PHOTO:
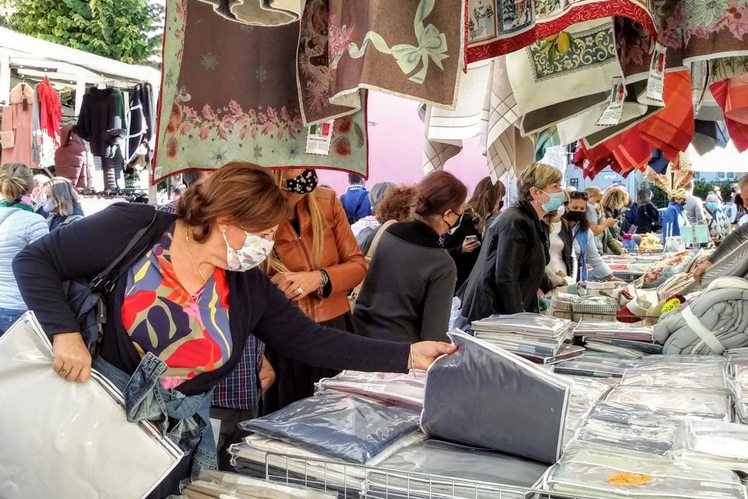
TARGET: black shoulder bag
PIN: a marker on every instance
(87, 297)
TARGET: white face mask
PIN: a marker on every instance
(253, 252)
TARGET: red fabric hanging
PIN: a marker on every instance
(728, 96)
(50, 111)
(672, 128)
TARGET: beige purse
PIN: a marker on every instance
(353, 297)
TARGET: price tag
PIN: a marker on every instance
(656, 80)
(612, 114)
(318, 139)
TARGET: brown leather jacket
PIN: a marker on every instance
(341, 257)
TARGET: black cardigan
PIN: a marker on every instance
(85, 248)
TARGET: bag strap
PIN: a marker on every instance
(103, 281)
(377, 237)
(369, 255)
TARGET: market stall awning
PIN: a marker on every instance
(35, 58)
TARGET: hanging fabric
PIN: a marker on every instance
(500, 27)
(737, 130)
(551, 84)
(265, 13)
(409, 49)
(250, 111)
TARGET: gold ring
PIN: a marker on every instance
(299, 291)
(64, 371)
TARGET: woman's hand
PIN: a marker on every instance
(469, 245)
(698, 272)
(72, 360)
(423, 354)
(267, 375)
(297, 285)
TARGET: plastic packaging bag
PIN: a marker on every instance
(400, 389)
(678, 375)
(484, 396)
(69, 440)
(337, 425)
(440, 469)
(602, 473)
(695, 403)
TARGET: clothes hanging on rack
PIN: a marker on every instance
(141, 123)
(15, 134)
(101, 120)
(50, 110)
(113, 171)
(71, 158)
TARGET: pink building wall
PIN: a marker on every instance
(395, 147)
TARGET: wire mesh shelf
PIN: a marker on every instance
(353, 481)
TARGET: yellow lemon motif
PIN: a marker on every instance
(563, 42)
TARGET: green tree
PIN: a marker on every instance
(126, 30)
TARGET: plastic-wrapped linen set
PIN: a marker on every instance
(661, 428)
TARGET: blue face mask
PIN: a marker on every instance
(712, 205)
(556, 200)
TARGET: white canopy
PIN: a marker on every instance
(36, 58)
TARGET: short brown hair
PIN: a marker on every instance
(16, 180)
(397, 204)
(239, 190)
(538, 175)
(438, 192)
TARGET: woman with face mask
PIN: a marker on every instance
(511, 266)
(464, 244)
(315, 263)
(717, 221)
(61, 203)
(407, 293)
(19, 227)
(572, 245)
(181, 312)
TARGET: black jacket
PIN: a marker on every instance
(407, 293)
(85, 248)
(648, 219)
(453, 244)
(511, 266)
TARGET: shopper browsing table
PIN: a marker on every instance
(577, 246)
(316, 262)
(511, 267)
(179, 317)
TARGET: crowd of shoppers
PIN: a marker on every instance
(240, 286)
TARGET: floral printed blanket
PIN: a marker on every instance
(229, 93)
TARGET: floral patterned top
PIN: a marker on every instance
(189, 333)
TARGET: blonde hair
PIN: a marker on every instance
(538, 175)
(16, 180)
(318, 227)
(62, 192)
(615, 198)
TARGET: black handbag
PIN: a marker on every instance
(86, 297)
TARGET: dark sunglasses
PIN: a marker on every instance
(578, 195)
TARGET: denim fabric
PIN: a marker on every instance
(8, 317)
(183, 419)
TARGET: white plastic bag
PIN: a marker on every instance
(69, 440)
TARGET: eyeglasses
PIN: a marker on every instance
(578, 195)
